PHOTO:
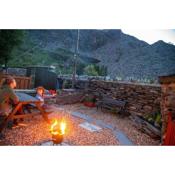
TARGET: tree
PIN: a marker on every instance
(9, 39)
(90, 70)
(101, 70)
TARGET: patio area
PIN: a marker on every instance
(85, 126)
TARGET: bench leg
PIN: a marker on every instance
(122, 110)
(29, 110)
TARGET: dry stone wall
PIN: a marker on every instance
(142, 99)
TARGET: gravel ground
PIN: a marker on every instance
(122, 123)
(77, 135)
(37, 130)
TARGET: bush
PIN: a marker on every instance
(67, 84)
(154, 119)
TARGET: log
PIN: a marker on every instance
(146, 127)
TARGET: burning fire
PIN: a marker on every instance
(62, 127)
(58, 128)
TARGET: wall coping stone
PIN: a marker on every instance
(129, 83)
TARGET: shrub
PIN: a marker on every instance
(89, 98)
(154, 119)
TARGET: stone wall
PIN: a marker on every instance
(70, 97)
(143, 99)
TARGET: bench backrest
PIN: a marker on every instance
(111, 101)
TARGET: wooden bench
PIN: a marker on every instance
(117, 106)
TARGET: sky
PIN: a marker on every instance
(151, 36)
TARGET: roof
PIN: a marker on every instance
(39, 67)
(167, 79)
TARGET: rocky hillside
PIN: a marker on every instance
(124, 56)
(132, 58)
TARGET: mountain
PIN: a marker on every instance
(132, 58)
(124, 56)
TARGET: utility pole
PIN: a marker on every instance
(75, 59)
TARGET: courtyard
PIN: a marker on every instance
(85, 126)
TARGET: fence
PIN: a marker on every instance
(21, 81)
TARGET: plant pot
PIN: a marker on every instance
(89, 104)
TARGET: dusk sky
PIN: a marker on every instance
(151, 36)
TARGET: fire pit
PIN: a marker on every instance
(57, 130)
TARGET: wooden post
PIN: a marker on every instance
(167, 100)
(75, 61)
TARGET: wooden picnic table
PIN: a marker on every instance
(25, 99)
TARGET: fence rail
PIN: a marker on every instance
(22, 81)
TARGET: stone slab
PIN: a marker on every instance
(90, 127)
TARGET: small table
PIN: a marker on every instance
(25, 99)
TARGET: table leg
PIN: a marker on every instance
(43, 113)
(4, 123)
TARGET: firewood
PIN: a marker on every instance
(146, 127)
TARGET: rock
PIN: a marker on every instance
(149, 108)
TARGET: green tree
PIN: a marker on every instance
(90, 70)
(101, 70)
(9, 39)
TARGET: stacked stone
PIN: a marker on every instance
(141, 99)
(69, 98)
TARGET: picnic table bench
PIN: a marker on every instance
(117, 106)
(24, 100)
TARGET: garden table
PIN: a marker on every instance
(24, 100)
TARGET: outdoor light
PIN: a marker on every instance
(57, 130)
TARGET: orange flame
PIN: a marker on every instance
(62, 127)
(58, 128)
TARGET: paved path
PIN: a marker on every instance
(120, 136)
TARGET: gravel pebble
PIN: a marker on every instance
(37, 130)
(120, 122)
